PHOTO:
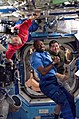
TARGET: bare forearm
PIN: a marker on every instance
(59, 76)
(45, 70)
(62, 77)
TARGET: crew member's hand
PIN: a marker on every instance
(36, 14)
(56, 59)
(64, 77)
(9, 61)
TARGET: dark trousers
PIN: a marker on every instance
(60, 95)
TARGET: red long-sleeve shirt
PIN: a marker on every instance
(23, 34)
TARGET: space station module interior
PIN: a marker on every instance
(20, 96)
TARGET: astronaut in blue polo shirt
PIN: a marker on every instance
(44, 66)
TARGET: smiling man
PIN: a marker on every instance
(44, 66)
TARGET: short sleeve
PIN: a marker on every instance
(36, 61)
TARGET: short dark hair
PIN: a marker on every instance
(35, 41)
(52, 42)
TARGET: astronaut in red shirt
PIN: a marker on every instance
(20, 39)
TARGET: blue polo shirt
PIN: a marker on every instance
(42, 59)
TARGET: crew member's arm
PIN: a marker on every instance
(62, 77)
(24, 27)
(45, 70)
(32, 17)
(23, 35)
